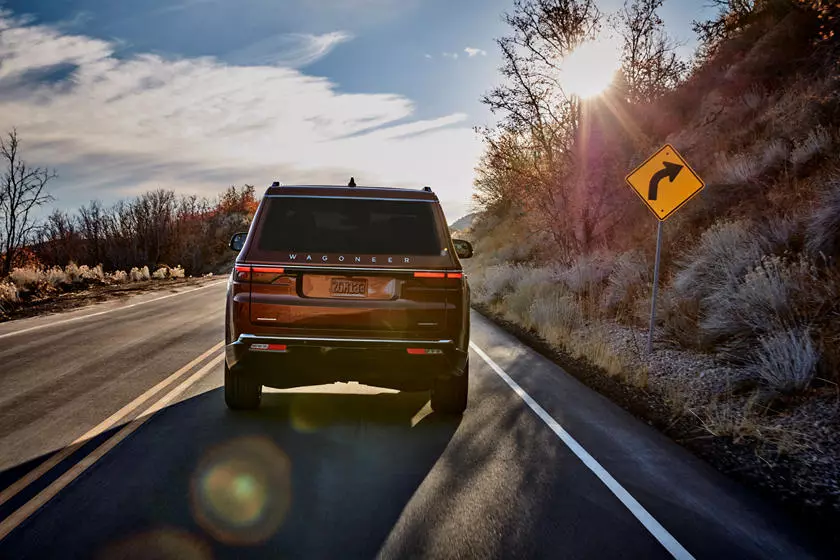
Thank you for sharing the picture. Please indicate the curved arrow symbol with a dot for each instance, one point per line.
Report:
(671, 170)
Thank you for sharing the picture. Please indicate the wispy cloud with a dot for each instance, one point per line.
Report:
(471, 52)
(291, 50)
(452, 55)
(427, 55)
(120, 125)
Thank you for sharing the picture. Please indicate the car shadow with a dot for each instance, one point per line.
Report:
(309, 474)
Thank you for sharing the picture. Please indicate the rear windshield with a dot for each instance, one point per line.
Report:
(361, 226)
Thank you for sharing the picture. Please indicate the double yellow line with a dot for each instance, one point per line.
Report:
(20, 515)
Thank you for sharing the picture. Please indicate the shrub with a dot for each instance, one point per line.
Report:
(57, 277)
(816, 143)
(8, 294)
(73, 273)
(785, 360)
(176, 272)
(161, 274)
(27, 278)
(494, 282)
(629, 277)
(725, 252)
(118, 277)
(139, 274)
(775, 152)
(771, 296)
(555, 316)
(532, 286)
(737, 169)
(94, 274)
(823, 228)
(586, 275)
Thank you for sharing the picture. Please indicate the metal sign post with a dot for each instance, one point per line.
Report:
(663, 199)
(655, 287)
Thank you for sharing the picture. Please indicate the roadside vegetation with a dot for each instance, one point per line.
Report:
(158, 235)
(747, 340)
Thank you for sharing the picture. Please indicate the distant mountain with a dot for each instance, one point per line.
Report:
(463, 223)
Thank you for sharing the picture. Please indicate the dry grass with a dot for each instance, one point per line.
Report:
(823, 229)
(786, 361)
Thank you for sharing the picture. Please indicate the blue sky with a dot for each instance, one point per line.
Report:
(198, 94)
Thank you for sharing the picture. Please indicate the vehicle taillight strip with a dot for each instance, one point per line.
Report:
(242, 268)
(269, 269)
(453, 275)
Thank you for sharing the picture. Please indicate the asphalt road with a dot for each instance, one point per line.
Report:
(115, 443)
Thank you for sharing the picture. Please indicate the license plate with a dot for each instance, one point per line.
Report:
(346, 287)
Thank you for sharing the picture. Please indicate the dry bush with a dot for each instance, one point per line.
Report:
(94, 274)
(161, 273)
(56, 277)
(737, 169)
(775, 153)
(8, 295)
(494, 282)
(176, 272)
(816, 143)
(785, 360)
(823, 227)
(532, 286)
(139, 274)
(27, 278)
(586, 275)
(677, 317)
(629, 280)
(725, 252)
(556, 316)
(118, 277)
(774, 295)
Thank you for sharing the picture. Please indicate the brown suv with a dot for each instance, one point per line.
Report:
(348, 284)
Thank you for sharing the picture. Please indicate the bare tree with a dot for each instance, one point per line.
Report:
(732, 15)
(649, 60)
(22, 190)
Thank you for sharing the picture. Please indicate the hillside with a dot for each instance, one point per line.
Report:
(463, 223)
(746, 362)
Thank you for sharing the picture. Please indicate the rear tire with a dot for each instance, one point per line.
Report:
(449, 396)
(241, 393)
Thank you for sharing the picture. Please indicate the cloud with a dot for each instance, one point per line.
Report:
(471, 52)
(291, 50)
(115, 126)
(427, 55)
(452, 55)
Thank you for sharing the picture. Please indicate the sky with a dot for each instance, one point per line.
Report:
(196, 95)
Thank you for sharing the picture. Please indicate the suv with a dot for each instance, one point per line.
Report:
(348, 284)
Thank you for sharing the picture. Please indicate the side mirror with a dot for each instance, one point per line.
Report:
(238, 240)
(463, 249)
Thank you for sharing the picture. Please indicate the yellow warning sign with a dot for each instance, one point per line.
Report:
(665, 182)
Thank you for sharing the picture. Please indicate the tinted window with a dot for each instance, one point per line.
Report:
(371, 227)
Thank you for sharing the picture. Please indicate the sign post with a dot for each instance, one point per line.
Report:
(663, 200)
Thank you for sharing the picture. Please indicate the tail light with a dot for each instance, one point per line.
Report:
(259, 274)
(423, 351)
(439, 275)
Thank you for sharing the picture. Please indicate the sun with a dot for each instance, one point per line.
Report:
(590, 68)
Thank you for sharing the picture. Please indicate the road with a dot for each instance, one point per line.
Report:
(116, 444)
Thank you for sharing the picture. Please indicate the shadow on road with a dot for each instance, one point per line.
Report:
(308, 475)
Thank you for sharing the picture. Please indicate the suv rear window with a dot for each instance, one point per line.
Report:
(362, 226)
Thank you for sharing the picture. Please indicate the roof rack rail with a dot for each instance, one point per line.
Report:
(427, 189)
(275, 184)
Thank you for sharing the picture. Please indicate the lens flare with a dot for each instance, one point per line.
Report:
(165, 543)
(241, 491)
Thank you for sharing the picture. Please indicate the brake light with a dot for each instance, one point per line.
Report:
(423, 351)
(439, 275)
(259, 274)
(268, 347)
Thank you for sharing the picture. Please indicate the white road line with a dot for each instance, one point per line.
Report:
(30, 507)
(12, 490)
(71, 319)
(639, 512)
